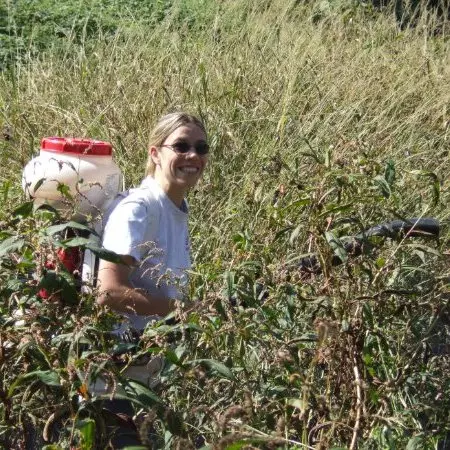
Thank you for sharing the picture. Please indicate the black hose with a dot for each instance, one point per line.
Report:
(415, 227)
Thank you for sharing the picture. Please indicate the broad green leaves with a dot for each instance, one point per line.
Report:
(12, 244)
(24, 210)
(60, 284)
(54, 229)
(139, 394)
(336, 245)
(216, 367)
(385, 182)
(86, 428)
(48, 377)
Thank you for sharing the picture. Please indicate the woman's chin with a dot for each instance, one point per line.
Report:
(187, 180)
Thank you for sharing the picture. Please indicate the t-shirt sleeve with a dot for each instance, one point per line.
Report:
(126, 230)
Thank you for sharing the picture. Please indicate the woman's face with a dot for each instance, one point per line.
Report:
(177, 172)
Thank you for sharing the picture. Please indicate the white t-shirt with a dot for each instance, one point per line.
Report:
(148, 226)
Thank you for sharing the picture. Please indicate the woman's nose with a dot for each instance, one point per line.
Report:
(192, 153)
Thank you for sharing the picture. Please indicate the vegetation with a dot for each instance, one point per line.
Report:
(324, 119)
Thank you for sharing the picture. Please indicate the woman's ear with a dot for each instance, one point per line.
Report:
(154, 154)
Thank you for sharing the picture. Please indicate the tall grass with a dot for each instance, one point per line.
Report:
(322, 119)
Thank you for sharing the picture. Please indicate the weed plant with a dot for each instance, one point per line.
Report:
(324, 119)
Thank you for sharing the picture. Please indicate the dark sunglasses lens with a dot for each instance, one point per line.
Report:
(202, 149)
(181, 147)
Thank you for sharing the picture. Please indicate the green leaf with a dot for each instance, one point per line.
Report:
(383, 185)
(297, 204)
(38, 184)
(294, 235)
(107, 255)
(77, 242)
(87, 430)
(215, 366)
(229, 283)
(138, 394)
(237, 445)
(368, 315)
(24, 210)
(4, 189)
(161, 328)
(380, 262)
(47, 210)
(12, 244)
(49, 231)
(282, 232)
(389, 172)
(415, 443)
(244, 443)
(59, 283)
(336, 245)
(333, 208)
(48, 377)
(254, 266)
(122, 347)
(172, 356)
(135, 447)
(64, 190)
(345, 325)
(436, 192)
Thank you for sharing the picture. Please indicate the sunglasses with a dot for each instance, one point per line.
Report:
(201, 148)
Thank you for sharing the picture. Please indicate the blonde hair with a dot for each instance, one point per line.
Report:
(164, 128)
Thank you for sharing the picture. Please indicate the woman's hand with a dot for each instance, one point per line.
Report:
(116, 291)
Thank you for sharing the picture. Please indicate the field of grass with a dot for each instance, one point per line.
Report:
(324, 118)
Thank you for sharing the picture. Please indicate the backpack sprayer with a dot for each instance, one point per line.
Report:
(79, 179)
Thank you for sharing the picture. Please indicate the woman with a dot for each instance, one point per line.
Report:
(148, 228)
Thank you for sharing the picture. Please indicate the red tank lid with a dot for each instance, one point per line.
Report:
(76, 145)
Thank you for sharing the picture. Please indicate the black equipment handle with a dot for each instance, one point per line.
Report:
(415, 227)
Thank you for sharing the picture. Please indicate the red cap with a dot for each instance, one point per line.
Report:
(75, 145)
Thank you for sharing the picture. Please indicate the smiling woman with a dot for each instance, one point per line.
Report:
(149, 230)
(149, 227)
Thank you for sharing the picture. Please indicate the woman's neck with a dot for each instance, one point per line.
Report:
(173, 192)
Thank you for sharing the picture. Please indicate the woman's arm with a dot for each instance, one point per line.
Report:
(116, 291)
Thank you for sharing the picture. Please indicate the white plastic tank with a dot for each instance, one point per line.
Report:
(78, 177)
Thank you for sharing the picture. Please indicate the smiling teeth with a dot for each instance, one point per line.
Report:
(189, 169)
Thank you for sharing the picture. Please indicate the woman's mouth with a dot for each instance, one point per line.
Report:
(189, 169)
